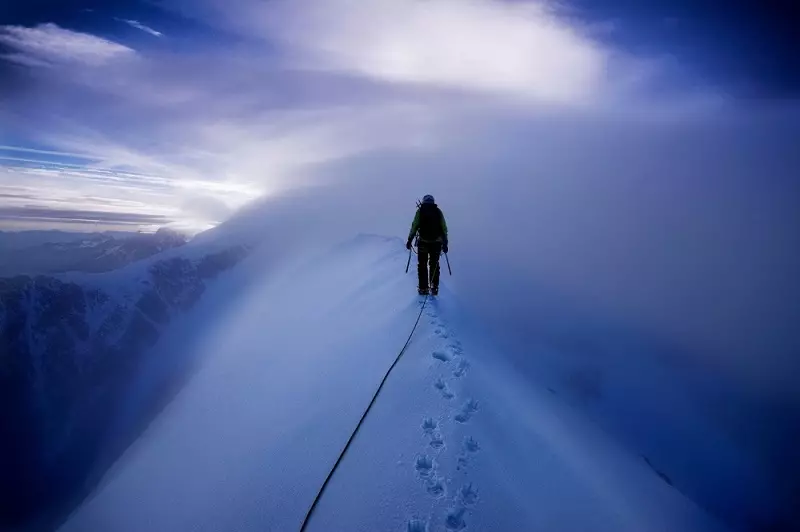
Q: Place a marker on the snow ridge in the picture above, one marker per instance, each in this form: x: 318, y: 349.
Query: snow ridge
x: 457, y: 441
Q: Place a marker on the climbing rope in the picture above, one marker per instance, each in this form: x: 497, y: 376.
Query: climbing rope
x: 317, y: 498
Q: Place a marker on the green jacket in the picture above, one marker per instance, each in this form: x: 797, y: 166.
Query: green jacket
x: 415, y: 226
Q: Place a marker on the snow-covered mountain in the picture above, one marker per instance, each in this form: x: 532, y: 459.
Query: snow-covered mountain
x: 71, y: 347
x: 507, y: 412
x: 49, y: 252
x: 16, y: 240
x: 458, y: 439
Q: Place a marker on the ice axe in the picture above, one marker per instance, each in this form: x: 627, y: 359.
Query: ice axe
x: 410, y: 251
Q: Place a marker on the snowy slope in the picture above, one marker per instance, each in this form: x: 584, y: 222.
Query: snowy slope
x: 455, y: 441
x: 70, y: 348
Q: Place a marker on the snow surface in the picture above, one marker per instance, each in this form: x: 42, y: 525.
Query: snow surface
x: 457, y: 439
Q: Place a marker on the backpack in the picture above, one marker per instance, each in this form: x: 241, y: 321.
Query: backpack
x: 430, y: 222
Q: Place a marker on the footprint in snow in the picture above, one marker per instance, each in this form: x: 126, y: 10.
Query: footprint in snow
x: 429, y: 425
x: 441, y: 355
x: 455, y: 519
x: 471, y: 445
x: 467, y: 495
x: 461, y: 368
x: 441, y: 333
x: 424, y: 466
x: 436, y: 487
x: 417, y: 525
x: 466, y: 411
x: 456, y: 349
x: 442, y: 387
x: 471, y: 406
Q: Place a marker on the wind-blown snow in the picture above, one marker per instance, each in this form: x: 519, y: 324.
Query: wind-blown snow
x: 457, y: 439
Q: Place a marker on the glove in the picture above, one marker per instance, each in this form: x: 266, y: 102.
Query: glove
x: 444, y: 247
x: 408, y: 244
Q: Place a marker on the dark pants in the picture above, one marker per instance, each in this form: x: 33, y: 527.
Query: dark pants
x: 428, y: 264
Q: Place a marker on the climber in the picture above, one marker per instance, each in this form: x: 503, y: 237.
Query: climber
x: 432, y: 241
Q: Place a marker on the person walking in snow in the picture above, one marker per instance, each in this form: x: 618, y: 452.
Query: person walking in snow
x: 430, y: 224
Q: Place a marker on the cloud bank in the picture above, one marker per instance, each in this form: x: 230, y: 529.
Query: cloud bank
x: 295, y: 85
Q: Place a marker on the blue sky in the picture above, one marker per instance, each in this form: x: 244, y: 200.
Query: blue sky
x: 137, y: 114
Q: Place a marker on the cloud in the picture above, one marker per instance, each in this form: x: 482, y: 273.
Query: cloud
x: 24, y: 149
x: 296, y: 87
x: 80, y: 216
x: 109, y: 183
x: 139, y: 26
x: 49, y: 45
x: 521, y: 50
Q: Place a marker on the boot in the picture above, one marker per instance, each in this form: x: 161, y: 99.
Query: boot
x: 422, y: 291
